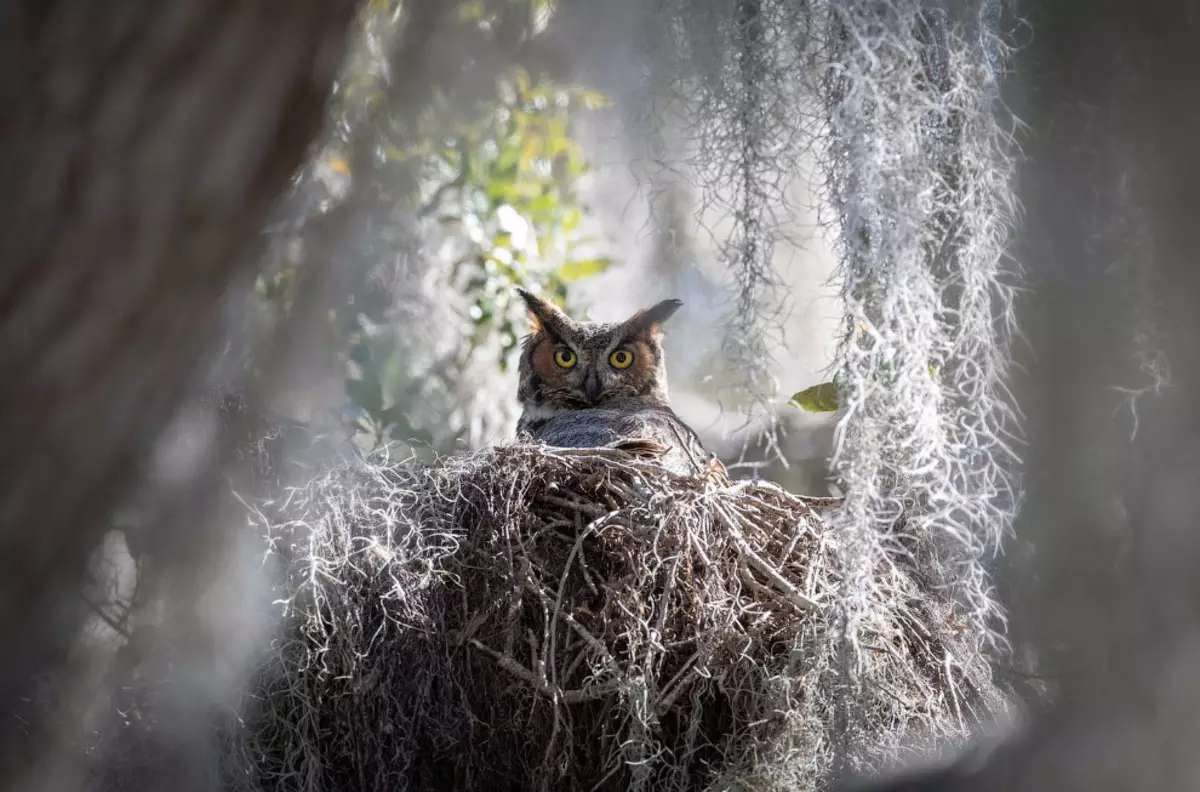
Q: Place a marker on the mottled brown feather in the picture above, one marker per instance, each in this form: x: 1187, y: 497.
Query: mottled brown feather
x: 543, y: 359
x: 595, y: 404
x: 644, y: 360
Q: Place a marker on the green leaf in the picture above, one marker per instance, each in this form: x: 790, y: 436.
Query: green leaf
x: 543, y: 203
x: 366, y: 393
x: 502, y: 184
x: 506, y: 162
x: 582, y: 268
x: 817, y: 399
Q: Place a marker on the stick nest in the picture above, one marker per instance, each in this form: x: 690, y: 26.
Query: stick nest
x: 546, y: 619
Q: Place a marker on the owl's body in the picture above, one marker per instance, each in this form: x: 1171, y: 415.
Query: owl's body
x: 598, y: 427
x: 591, y: 384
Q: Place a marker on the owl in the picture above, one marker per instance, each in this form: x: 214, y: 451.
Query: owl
x: 592, y: 384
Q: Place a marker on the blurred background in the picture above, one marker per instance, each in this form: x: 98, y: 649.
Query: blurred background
x: 528, y: 168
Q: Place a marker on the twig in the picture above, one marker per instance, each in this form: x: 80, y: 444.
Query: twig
x: 552, y: 692
x: 772, y: 574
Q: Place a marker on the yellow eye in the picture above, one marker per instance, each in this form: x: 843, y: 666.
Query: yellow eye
x: 621, y: 358
x: 565, y: 358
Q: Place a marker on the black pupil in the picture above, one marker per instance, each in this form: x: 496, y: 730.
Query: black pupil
x: 621, y: 357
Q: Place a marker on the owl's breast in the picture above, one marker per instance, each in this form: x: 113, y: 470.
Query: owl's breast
x: 601, y: 426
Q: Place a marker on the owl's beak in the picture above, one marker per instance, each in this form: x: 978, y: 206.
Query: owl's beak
x: 592, y: 386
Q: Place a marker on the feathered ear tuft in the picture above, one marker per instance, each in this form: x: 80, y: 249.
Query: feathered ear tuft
x: 651, y: 320
x: 543, y: 314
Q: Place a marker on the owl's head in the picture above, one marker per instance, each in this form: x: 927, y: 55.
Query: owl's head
x: 569, y: 365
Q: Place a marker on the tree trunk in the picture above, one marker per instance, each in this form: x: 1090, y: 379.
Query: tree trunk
x: 144, y: 142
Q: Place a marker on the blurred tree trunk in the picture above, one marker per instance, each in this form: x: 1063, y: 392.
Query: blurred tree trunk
x: 143, y: 143
x: 1112, y: 191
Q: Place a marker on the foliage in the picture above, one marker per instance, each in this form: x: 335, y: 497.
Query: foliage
x: 480, y: 190
x: 378, y: 396
x: 817, y: 399
x: 512, y: 197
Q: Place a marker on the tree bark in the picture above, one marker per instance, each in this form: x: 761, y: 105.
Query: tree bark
x: 144, y: 142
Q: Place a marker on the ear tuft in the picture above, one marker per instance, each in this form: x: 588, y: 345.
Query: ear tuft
x: 543, y: 314
x: 535, y: 324
x: 652, y: 319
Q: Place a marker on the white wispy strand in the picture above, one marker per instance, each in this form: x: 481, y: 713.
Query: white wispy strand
x: 730, y: 78
x: 979, y: 420
x: 920, y: 174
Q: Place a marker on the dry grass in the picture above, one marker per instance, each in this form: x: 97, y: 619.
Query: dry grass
x: 536, y: 619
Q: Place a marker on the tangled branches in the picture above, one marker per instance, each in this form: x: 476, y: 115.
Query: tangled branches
x: 533, y: 619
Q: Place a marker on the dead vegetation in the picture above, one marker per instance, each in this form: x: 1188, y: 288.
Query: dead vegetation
x: 537, y: 619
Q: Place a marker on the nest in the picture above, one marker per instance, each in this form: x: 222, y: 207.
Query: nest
x: 546, y: 619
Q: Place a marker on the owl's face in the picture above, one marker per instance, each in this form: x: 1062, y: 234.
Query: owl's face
x: 569, y: 365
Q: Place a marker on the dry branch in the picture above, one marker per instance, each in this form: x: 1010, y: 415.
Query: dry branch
x: 533, y: 619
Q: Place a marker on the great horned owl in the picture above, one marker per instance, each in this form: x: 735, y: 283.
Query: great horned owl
x: 592, y: 384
